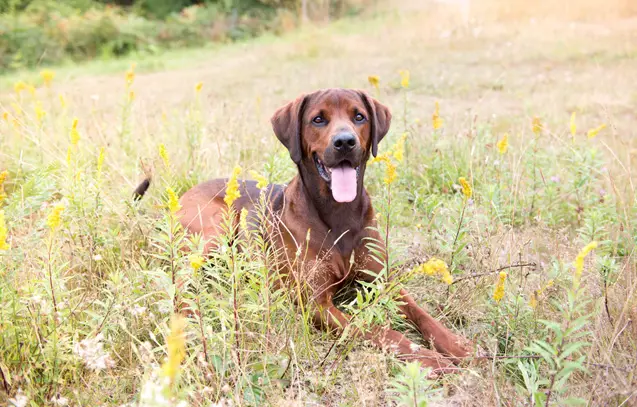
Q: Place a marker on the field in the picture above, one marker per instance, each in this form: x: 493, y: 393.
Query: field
x: 537, y: 112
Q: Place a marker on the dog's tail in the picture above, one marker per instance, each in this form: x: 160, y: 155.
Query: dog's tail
x: 141, y: 189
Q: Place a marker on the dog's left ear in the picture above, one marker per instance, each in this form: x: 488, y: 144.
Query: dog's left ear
x: 379, y: 120
x: 287, y: 123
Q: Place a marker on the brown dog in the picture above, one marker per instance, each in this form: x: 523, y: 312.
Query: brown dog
x: 330, y: 135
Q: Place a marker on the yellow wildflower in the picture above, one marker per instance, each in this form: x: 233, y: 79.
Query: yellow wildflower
x: 374, y: 81
x: 436, y: 120
x: 503, y: 144
x: 594, y: 132
x: 533, y: 301
x: 47, y: 76
x: 20, y: 86
x: 537, y: 125
x: 579, y: 261
x: 131, y: 95
x: 173, y: 201
x: 380, y: 157
x: 176, y: 344
x: 16, y: 108
x: 243, y: 219
x: 39, y: 111
x: 404, y: 78
x: 5, y: 116
x: 399, y: 148
x: 435, y: 267
x: 572, y: 125
x: 75, y: 134
x: 130, y: 75
x: 498, y: 293
x: 390, y: 172
x: 466, y: 188
x: 262, y: 181
x: 232, y: 188
x: 62, y: 101
x: 55, y: 217
x: 163, y: 153
x: 196, y: 261
x: 100, y: 160
x: 198, y: 87
x: 3, y: 232
x: 3, y: 177
x: 69, y: 153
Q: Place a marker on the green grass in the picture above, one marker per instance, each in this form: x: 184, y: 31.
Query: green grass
x: 109, y: 269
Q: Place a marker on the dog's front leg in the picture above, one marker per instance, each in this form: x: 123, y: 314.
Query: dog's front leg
x: 442, y: 338
x: 327, y: 316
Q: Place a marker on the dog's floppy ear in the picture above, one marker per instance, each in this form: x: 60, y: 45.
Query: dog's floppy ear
x: 379, y: 120
x: 287, y: 123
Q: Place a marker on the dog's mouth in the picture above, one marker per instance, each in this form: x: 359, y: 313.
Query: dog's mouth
x: 342, y: 179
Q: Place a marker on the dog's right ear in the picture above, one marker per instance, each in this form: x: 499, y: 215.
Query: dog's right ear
x: 287, y: 123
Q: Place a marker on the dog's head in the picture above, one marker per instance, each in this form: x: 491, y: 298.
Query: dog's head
x: 331, y: 134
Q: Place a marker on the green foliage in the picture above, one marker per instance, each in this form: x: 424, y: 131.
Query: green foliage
x: 411, y: 386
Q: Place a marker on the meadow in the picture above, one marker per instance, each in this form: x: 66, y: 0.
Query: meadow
x: 509, y: 158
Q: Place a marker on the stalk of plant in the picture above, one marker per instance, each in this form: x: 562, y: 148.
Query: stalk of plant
x: 557, y: 352
x: 467, y: 192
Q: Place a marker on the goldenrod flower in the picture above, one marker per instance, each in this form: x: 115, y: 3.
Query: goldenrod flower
x: 498, y: 293
x: 436, y: 120
x: 593, y: 132
x: 533, y: 301
x: 262, y: 181
x: 572, y: 125
x: 466, y: 188
x: 55, y: 217
x: 176, y: 344
x: 163, y: 153
x: 3, y: 232
x: 196, y: 261
x: 404, y: 78
x: 503, y: 144
x: 75, y: 134
x: 3, y: 177
x: 243, y: 219
x: 47, y: 76
x: 16, y: 108
x: 435, y: 267
x: 173, y: 201
x: 380, y: 157
x: 100, y: 160
x: 20, y: 86
x: 579, y: 261
x: 130, y: 75
x: 374, y: 81
x: 232, y: 189
x: 198, y: 87
x: 537, y: 125
x: 39, y: 111
x: 398, y: 150
x: 390, y: 172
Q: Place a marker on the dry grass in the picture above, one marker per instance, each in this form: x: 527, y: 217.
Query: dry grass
x: 491, y: 73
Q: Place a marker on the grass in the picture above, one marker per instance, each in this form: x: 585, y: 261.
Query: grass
x: 87, y: 300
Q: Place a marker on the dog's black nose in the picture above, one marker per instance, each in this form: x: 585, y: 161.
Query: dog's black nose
x: 344, y: 142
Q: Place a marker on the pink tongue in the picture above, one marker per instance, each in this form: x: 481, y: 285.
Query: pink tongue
x: 344, y: 183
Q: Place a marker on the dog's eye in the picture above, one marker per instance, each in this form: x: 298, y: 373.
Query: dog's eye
x: 318, y: 120
x: 359, y: 117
